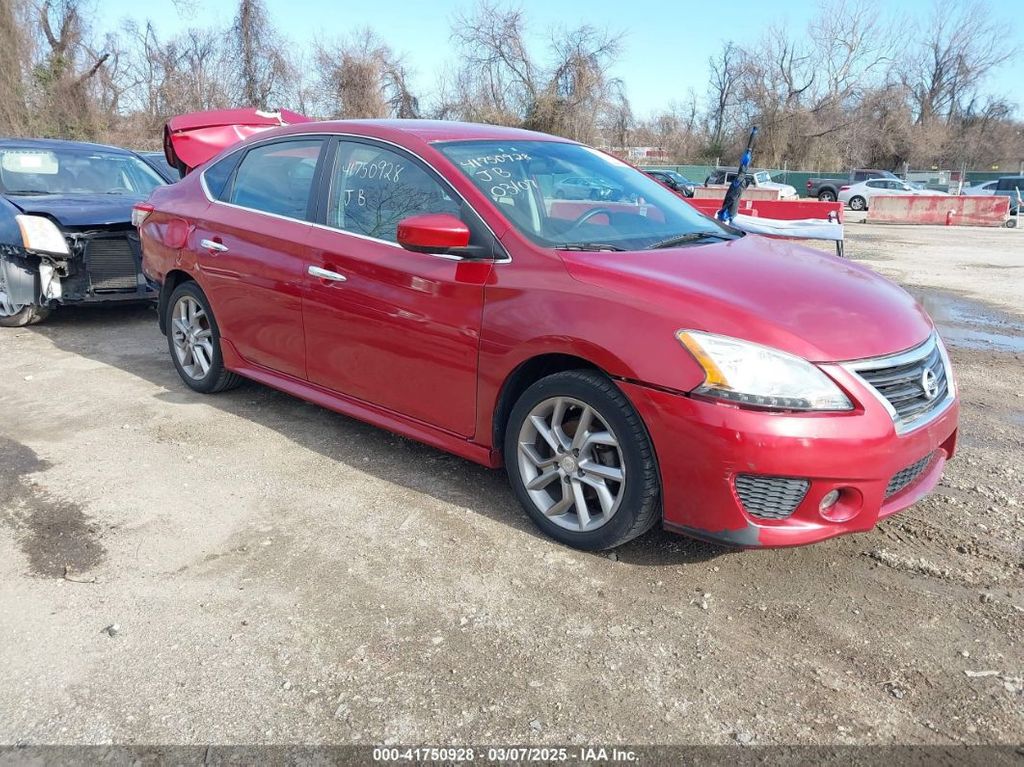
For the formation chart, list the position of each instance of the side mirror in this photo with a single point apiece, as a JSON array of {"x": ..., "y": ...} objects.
[{"x": 432, "y": 233}]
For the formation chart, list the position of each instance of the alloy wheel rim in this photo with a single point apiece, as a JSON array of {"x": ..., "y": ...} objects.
[
  {"x": 192, "y": 337},
  {"x": 571, "y": 464}
]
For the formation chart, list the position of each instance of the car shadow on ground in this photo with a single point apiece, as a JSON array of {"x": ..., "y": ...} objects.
[{"x": 126, "y": 336}]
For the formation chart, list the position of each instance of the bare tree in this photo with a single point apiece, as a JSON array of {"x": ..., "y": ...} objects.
[
  {"x": 959, "y": 48},
  {"x": 363, "y": 77},
  {"x": 578, "y": 87},
  {"x": 498, "y": 81},
  {"x": 721, "y": 89},
  {"x": 261, "y": 67},
  {"x": 501, "y": 81},
  {"x": 858, "y": 85},
  {"x": 15, "y": 62},
  {"x": 66, "y": 72}
]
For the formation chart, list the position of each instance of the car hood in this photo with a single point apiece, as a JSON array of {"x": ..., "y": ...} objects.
[
  {"x": 772, "y": 292},
  {"x": 79, "y": 210}
]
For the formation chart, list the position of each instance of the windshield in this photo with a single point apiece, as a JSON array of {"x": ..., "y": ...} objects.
[
  {"x": 62, "y": 171},
  {"x": 539, "y": 187},
  {"x": 762, "y": 177}
]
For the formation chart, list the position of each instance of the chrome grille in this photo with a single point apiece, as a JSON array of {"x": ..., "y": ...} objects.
[
  {"x": 770, "y": 497},
  {"x": 908, "y": 476},
  {"x": 112, "y": 264},
  {"x": 914, "y": 384}
]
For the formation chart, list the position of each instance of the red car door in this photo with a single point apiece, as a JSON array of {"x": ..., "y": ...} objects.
[
  {"x": 385, "y": 325},
  {"x": 251, "y": 251}
]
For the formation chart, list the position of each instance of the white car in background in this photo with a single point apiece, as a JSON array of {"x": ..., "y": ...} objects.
[
  {"x": 857, "y": 196},
  {"x": 989, "y": 187},
  {"x": 758, "y": 179}
]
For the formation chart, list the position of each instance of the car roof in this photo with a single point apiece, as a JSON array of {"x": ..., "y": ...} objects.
[
  {"x": 426, "y": 130},
  {"x": 53, "y": 144}
]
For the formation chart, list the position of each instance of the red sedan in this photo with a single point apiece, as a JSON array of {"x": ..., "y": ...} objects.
[{"x": 627, "y": 359}]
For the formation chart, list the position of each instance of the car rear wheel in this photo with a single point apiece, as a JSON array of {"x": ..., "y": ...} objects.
[
  {"x": 580, "y": 461},
  {"x": 858, "y": 203},
  {"x": 826, "y": 196},
  {"x": 194, "y": 341}
]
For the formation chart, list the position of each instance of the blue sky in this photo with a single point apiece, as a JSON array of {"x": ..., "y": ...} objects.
[{"x": 665, "y": 49}]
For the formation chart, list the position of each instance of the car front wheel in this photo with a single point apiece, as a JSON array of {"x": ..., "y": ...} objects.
[
  {"x": 194, "y": 341},
  {"x": 858, "y": 203},
  {"x": 15, "y": 315},
  {"x": 826, "y": 196},
  {"x": 580, "y": 461},
  {"x": 18, "y": 316}
]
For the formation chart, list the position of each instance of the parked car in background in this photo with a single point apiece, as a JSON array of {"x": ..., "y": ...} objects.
[
  {"x": 976, "y": 190},
  {"x": 1012, "y": 187},
  {"x": 858, "y": 196},
  {"x": 759, "y": 179},
  {"x": 158, "y": 162},
  {"x": 583, "y": 188},
  {"x": 827, "y": 189},
  {"x": 628, "y": 362},
  {"x": 674, "y": 180},
  {"x": 66, "y": 234}
]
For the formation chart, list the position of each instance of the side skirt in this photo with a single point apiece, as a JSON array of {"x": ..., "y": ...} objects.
[{"x": 363, "y": 411}]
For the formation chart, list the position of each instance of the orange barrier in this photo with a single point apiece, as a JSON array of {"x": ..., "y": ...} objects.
[
  {"x": 780, "y": 210},
  {"x": 939, "y": 210},
  {"x": 718, "y": 192}
]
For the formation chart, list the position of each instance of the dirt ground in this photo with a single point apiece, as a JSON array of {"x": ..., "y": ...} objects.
[{"x": 247, "y": 568}]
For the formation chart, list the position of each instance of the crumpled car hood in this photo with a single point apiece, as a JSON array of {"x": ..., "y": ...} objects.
[{"x": 79, "y": 210}]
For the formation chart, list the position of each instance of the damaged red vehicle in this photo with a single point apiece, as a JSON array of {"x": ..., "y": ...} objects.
[{"x": 629, "y": 361}]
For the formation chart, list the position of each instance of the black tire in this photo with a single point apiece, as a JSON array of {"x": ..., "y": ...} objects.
[
  {"x": 640, "y": 505},
  {"x": 217, "y": 378},
  {"x": 29, "y": 315},
  {"x": 858, "y": 203},
  {"x": 826, "y": 195},
  {"x": 1011, "y": 223}
]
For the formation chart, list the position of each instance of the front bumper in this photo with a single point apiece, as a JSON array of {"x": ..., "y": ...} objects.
[{"x": 702, "y": 447}]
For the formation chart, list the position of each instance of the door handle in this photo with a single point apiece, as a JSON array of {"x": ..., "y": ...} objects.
[
  {"x": 213, "y": 246},
  {"x": 326, "y": 274}
]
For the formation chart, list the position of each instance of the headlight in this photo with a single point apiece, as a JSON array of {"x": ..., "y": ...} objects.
[
  {"x": 41, "y": 234},
  {"x": 759, "y": 376}
]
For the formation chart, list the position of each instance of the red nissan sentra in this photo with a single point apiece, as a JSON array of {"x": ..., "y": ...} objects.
[{"x": 627, "y": 359}]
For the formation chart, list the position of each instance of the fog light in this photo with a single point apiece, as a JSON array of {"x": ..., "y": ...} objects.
[
  {"x": 829, "y": 500},
  {"x": 841, "y": 504}
]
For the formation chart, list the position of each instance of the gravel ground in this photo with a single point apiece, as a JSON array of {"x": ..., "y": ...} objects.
[{"x": 247, "y": 568}]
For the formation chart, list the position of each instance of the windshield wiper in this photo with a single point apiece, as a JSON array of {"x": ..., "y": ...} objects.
[
  {"x": 26, "y": 192},
  {"x": 587, "y": 246},
  {"x": 682, "y": 239}
]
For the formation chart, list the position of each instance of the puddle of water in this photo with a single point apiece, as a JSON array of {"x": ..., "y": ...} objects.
[
  {"x": 971, "y": 324},
  {"x": 55, "y": 535}
]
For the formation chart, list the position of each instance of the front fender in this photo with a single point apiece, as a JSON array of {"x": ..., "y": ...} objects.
[{"x": 20, "y": 275}]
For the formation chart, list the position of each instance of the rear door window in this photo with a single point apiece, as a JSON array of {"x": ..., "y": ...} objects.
[{"x": 277, "y": 178}]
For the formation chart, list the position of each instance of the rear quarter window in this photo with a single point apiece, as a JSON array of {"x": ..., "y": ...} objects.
[{"x": 217, "y": 175}]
